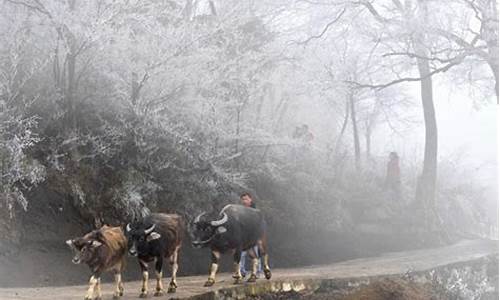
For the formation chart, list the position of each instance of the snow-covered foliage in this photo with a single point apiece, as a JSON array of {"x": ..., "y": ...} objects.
[
  {"x": 124, "y": 106},
  {"x": 19, "y": 171}
]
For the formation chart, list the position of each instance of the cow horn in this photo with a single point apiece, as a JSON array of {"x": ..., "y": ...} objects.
[
  {"x": 70, "y": 243},
  {"x": 150, "y": 229},
  {"x": 128, "y": 227},
  {"x": 198, "y": 218},
  {"x": 221, "y": 221}
]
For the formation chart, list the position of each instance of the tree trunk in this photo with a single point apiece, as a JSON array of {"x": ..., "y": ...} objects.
[
  {"x": 490, "y": 32},
  {"x": 370, "y": 123},
  {"x": 213, "y": 10},
  {"x": 188, "y": 10},
  {"x": 134, "y": 93},
  {"x": 279, "y": 111},
  {"x": 268, "y": 92},
  {"x": 368, "y": 138},
  {"x": 357, "y": 150},
  {"x": 426, "y": 186},
  {"x": 236, "y": 144},
  {"x": 70, "y": 86},
  {"x": 494, "y": 69},
  {"x": 71, "y": 69},
  {"x": 342, "y": 130}
]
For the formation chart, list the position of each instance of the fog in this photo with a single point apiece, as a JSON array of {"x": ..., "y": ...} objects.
[{"x": 111, "y": 110}]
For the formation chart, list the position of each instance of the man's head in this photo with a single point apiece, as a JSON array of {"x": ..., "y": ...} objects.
[{"x": 246, "y": 199}]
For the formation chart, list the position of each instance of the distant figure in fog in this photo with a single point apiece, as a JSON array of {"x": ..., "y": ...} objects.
[
  {"x": 393, "y": 176},
  {"x": 303, "y": 135},
  {"x": 302, "y": 148},
  {"x": 247, "y": 200},
  {"x": 308, "y": 136}
]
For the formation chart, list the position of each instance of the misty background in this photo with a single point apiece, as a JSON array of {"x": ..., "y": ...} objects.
[{"x": 112, "y": 109}]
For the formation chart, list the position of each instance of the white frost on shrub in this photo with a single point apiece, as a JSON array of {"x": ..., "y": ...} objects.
[
  {"x": 78, "y": 192},
  {"x": 19, "y": 172}
]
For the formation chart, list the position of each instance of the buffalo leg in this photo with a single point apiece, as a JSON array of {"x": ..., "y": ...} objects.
[
  {"x": 173, "y": 262},
  {"x": 118, "y": 285},
  {"x": 213, "y": 268},
  {"x": 255, "y": 265},
  {"x": 159, "y": 275},
  {"x": 98, "y": 289},
  {"x": 145, "y": 278},
  {"x": 92, "y": 286},
  {"x": 265, "y": 258},
  {"x": 236, "y": 264}
]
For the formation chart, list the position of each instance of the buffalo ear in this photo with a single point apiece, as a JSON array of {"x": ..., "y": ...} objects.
[
  {"x": 221, "y": 229},
  {"x": 78, "y": 243},
  {"x": 153, "y": 236}
]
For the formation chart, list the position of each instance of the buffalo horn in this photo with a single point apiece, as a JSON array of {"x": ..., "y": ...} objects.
[
  {"x": 221, "y": 221},
  {"x": 150, "y": 229},
  {"x": 198, "y": 218}
]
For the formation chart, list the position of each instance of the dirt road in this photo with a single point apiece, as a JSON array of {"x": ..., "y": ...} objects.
[{"x": 387, "y": 264}]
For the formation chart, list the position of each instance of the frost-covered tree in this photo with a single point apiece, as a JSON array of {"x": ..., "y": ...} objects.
[{"x": 19, "y": 89}]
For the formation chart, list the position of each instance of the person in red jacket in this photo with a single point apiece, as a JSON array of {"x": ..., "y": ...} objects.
[{"x": 393, "y": 176}]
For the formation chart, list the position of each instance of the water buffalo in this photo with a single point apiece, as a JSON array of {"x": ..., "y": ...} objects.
[
  {"x": 102, "y": 250},
  {"x": 156, "y": 237},
  {"x": 238, "y": 228}
]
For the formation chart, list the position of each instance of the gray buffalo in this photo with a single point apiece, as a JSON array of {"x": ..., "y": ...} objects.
[{"x": 238, "y": 228}]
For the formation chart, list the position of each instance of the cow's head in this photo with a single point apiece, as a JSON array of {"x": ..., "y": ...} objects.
[
  {"x": 203, "y": 231},
  {"x": 139, "y": 235},
  {"x": 85, "y": 249}
]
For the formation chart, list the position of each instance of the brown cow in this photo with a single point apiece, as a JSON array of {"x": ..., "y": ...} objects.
[{"x": 102, "y": 250}]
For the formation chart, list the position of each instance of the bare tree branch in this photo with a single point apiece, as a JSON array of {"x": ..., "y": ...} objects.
[
  {"x": 324, "y": 29},
  {"x": 407, "y": 79},
  {"x": 414, "y": 55},
  {"x": 35, "y": 6},
  {"x": 373, "y": 11},
  {"x": 398, "y": 4}
]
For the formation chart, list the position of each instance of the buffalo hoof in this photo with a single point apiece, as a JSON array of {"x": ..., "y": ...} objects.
[
  {"x": 98, "y": 298},
  {"x": 237, "y": 280},
  {"x": 117, "y": 296},
  {"x": 268, "y": 274},
  {"x": 209, "y": 282},
  {"x": 143, "y": 295},
  {"x": 158, "y": 293},
  {"x": 172, "y": 287},
  {"x": 252, "y": 278}
]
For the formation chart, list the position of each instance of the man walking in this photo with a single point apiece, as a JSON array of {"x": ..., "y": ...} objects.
[{"x": 247, "y": 200}]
